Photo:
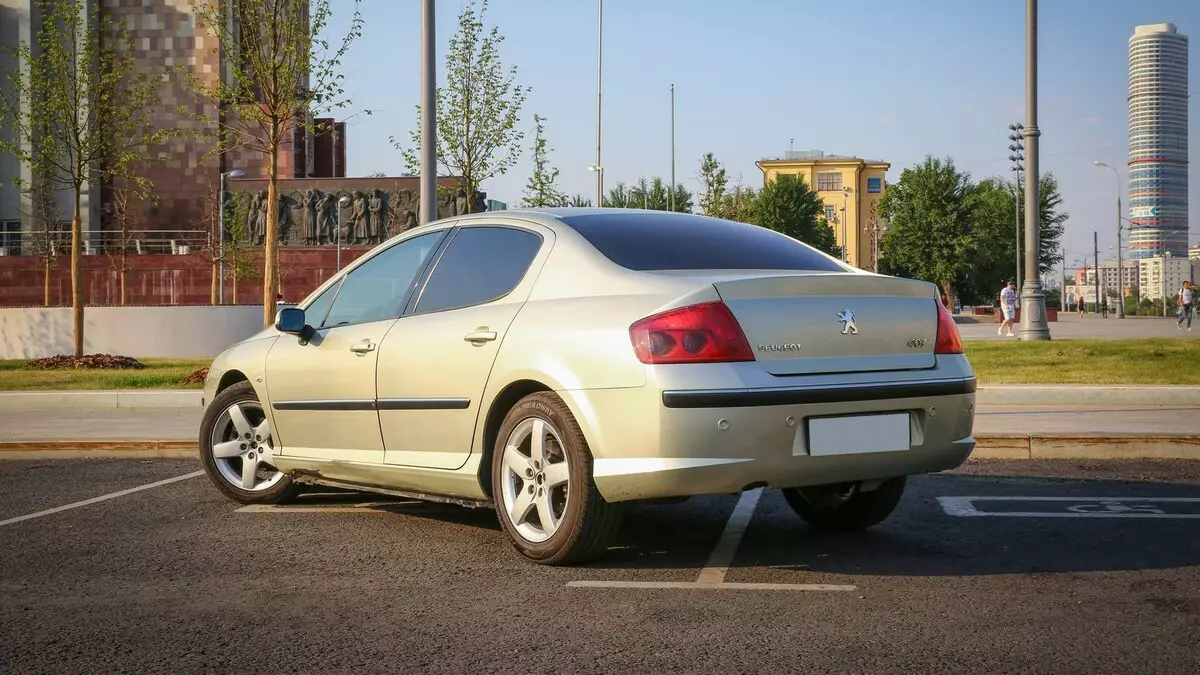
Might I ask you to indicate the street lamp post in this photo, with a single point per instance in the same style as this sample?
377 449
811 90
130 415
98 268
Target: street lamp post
1120 267
236 173
599 182
343 204
428 190
1017 147
672 199
1033 301
599 91
845 243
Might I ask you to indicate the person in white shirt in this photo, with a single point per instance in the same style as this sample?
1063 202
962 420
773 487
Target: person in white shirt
1008 306
1187 304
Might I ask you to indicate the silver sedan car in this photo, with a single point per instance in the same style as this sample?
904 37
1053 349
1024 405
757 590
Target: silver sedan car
557 363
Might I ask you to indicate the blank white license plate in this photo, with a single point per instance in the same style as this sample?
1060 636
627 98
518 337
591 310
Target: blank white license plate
858 434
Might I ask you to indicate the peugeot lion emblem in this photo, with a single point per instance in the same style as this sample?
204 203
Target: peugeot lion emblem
847 317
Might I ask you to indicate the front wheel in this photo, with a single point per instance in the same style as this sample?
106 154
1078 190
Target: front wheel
237 451
845 507
542 485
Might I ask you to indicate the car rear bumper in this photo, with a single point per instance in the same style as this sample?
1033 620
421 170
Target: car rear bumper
657 444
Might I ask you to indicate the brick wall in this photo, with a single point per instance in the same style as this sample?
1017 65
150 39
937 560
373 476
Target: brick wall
160 279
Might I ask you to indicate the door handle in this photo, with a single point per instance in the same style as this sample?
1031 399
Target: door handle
363 347
480 336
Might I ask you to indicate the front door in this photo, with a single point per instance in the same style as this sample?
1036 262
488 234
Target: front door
322 390
434 364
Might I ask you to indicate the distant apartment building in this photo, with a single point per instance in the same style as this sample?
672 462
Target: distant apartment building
850 189
1163 275
165 33
1158 141
1086 277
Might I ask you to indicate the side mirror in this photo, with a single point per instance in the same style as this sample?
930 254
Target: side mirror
291 320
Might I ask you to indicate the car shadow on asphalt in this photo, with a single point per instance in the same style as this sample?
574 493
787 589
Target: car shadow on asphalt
922 539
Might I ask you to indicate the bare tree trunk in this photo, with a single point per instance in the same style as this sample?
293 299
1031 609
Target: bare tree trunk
213 286
124 270
271 241
77 299
949 291
235 280
46 278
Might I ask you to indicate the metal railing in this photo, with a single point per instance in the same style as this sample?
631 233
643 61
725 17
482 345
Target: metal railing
101 242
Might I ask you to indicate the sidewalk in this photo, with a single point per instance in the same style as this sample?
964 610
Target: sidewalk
1002 432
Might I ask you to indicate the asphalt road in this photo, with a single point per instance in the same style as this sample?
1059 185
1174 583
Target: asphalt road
176 579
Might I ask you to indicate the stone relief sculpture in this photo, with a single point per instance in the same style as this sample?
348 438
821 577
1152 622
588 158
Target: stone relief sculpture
312 216
308 205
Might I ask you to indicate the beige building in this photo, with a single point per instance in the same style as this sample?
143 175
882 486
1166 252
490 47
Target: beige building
850 188
1163 275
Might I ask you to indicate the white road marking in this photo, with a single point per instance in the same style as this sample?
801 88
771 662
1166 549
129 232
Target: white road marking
718 563
692 585
95 500
1079 507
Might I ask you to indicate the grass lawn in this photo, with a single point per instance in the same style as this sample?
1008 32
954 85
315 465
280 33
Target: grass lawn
1086 361
158 374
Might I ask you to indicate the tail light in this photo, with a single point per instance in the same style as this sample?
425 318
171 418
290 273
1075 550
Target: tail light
703 333
948 339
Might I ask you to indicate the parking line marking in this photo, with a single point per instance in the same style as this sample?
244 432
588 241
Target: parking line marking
1081 507
102 498
692 585
718 563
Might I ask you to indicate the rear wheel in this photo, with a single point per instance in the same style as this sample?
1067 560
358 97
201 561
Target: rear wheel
237 451
845 506
542 485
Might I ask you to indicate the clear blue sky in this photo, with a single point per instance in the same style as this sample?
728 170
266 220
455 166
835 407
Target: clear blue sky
876 79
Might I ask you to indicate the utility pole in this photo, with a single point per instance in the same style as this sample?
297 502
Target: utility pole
429 212
671 201
1096 262
599 89
1017 147
1120 267
1033 300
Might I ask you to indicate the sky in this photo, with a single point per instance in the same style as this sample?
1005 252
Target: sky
875 79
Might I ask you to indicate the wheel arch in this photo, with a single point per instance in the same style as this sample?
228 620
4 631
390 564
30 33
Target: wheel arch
230 378
501 404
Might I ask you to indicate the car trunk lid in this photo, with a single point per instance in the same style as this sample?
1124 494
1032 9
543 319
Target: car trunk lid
801 324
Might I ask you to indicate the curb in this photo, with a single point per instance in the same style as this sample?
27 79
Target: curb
987 446
101 400
1085 395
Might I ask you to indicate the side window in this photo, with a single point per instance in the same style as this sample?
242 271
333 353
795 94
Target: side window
376 290
316 310
480 265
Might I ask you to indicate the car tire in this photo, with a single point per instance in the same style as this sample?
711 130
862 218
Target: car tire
220 436
582 523
845 507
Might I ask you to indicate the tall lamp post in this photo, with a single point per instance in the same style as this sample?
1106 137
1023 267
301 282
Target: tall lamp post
1120 268
599 182
428 190
1033 301
1017 148
672 199
845 226
236 173
599 81
343 204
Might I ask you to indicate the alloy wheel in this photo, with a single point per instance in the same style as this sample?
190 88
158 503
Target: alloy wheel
535 476
242 448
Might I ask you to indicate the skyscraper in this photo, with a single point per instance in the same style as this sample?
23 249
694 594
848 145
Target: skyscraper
1158 141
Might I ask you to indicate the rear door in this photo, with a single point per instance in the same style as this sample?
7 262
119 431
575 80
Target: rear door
806 324
435 362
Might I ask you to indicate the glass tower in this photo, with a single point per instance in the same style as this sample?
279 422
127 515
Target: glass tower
1158 142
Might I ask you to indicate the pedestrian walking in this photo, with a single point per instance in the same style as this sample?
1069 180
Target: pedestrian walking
1082 306
1008 308
1187 305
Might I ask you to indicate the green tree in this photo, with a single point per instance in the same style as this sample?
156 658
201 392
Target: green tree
541 190
579 201
655 194
91 114
479 109
713 184
994 237
930 222
284 73
788 206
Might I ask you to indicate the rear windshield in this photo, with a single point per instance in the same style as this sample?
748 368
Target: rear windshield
649 242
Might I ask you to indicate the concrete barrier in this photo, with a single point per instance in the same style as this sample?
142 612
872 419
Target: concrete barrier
141 332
